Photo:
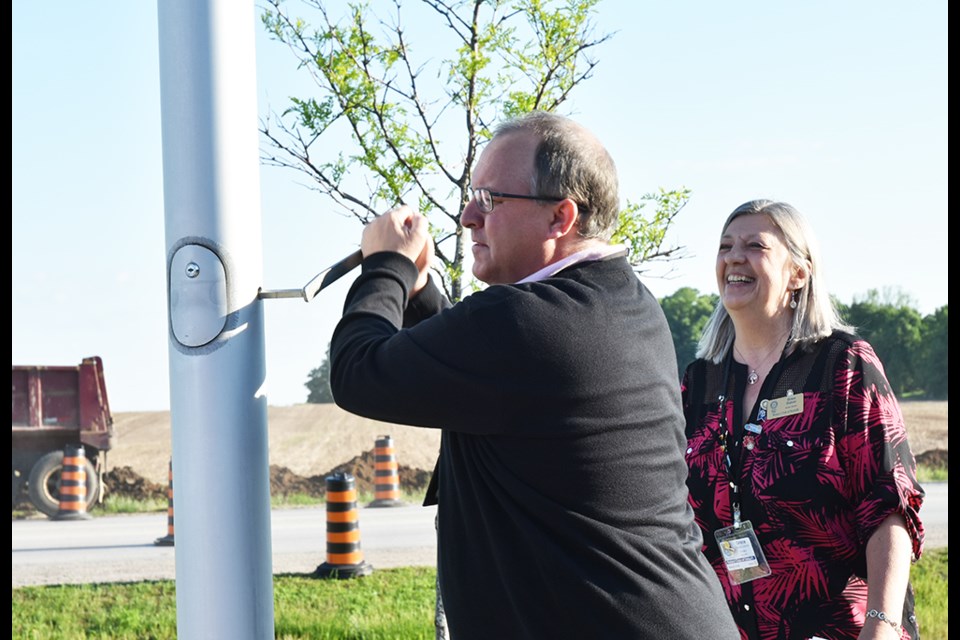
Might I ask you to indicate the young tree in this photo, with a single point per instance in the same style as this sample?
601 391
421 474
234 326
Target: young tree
417 116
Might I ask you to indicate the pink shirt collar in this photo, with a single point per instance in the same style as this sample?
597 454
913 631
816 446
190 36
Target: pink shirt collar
593 253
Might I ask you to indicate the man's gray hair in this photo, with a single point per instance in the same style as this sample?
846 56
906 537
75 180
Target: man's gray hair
570 162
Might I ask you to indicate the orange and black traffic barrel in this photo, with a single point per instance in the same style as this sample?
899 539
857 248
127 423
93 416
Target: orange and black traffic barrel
344 555
386 475
167 540
73 485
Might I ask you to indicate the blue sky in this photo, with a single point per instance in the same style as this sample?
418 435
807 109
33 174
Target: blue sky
838 108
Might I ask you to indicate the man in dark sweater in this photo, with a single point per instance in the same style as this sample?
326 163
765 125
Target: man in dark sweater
562 508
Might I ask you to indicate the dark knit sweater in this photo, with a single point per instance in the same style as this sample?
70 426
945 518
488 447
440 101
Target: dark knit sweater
563 509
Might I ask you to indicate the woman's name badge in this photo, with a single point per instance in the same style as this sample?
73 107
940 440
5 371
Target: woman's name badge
786 406
741 553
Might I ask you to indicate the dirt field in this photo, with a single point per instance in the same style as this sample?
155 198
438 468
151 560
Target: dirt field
926 425
307 439
308 442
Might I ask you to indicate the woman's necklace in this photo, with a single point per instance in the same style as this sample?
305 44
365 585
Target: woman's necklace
753 377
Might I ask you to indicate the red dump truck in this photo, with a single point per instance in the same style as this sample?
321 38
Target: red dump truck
55 406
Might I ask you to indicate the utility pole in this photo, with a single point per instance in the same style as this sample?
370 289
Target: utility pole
214 262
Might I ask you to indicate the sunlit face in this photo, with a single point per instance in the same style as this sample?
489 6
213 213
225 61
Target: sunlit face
508 242
755 272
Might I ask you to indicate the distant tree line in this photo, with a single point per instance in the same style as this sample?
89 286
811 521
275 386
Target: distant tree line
913 348
318 382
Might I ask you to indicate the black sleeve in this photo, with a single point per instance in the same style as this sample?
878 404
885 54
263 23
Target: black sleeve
428 302
381 370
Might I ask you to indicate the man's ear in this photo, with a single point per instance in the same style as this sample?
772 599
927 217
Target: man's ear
565 214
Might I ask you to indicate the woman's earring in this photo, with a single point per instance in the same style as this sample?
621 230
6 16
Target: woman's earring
793 298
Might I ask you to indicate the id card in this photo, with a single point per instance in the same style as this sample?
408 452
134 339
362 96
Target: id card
741 553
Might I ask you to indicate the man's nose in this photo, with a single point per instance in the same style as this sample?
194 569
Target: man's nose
471 217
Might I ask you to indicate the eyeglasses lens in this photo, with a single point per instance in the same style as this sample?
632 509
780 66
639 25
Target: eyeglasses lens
484 200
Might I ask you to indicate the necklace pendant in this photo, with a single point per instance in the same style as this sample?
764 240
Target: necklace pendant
753 377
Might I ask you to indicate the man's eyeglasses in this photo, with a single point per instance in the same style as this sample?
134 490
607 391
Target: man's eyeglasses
484 198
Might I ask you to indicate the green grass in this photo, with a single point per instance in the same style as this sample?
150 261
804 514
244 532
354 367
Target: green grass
931 474
363 498
929 577
120 504
116 505
389 604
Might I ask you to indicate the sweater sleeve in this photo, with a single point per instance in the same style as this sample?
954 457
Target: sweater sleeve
428 302
383 368
368 344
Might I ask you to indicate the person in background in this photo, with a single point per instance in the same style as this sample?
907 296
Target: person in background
801 476
562 509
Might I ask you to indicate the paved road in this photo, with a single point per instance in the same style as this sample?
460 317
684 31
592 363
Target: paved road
934 515
122 549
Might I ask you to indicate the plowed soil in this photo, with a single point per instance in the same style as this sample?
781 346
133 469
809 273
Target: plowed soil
308 442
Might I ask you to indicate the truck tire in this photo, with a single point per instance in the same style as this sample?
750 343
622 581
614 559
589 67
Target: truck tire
44 479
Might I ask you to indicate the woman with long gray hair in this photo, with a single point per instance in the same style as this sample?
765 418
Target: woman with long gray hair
800 474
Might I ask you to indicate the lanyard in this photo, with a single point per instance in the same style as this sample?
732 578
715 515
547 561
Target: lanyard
736 450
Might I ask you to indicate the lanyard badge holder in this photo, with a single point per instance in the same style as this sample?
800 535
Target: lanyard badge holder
739 547
741 552
738 544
